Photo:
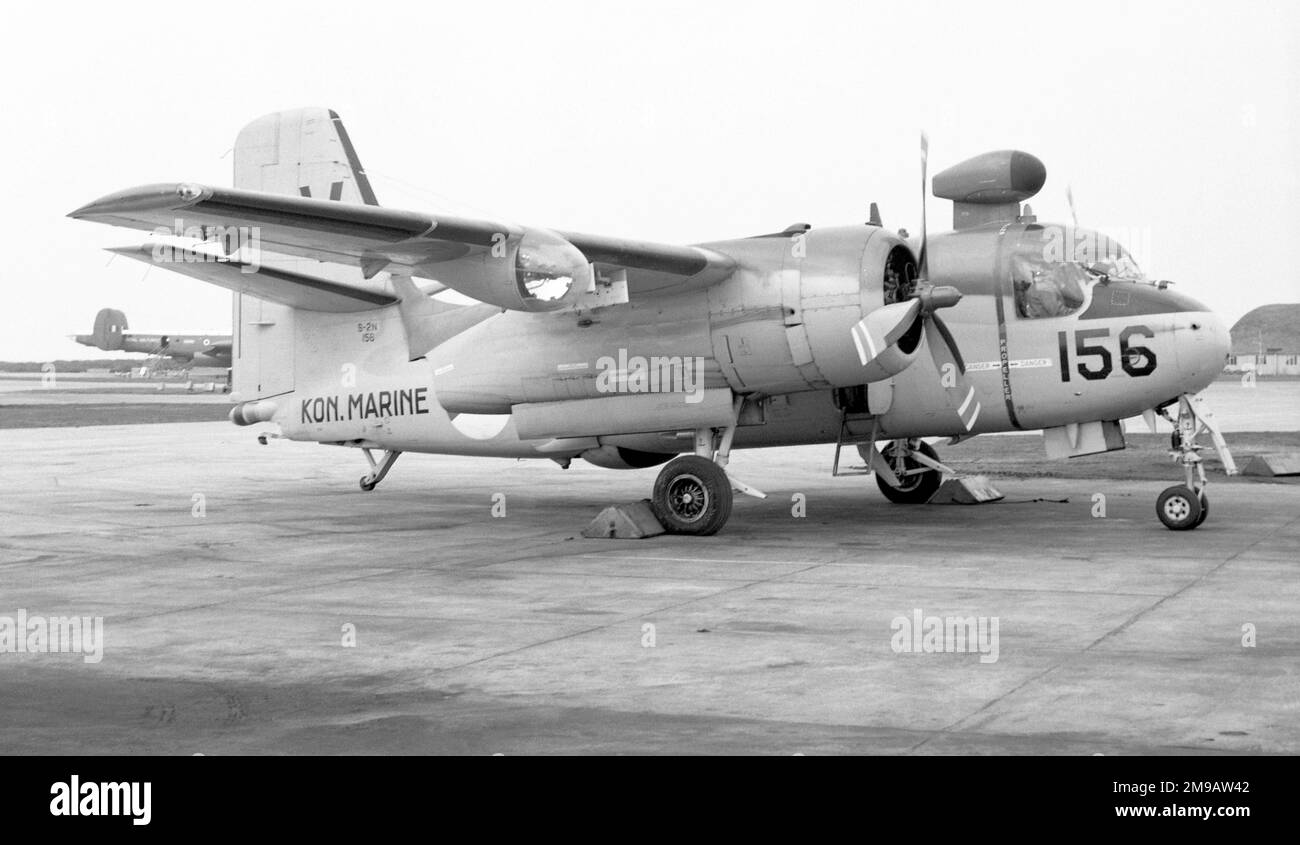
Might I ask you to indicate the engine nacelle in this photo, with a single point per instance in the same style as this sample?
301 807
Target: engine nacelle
846 276
619 457
522 270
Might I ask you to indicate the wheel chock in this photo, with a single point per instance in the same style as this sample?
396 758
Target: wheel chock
967 490
1273 465
634 521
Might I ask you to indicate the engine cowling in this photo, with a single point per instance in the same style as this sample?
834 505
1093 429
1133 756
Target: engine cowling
850 278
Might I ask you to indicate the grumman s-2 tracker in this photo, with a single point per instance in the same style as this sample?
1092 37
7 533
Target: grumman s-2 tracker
628 354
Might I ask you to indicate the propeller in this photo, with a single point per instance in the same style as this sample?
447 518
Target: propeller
887 339
1069 198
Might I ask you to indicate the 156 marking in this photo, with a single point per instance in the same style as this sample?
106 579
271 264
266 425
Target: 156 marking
1134 359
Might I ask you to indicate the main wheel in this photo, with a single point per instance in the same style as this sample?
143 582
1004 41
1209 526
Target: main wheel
1179 508
692 496
1205 508
367 484
913 489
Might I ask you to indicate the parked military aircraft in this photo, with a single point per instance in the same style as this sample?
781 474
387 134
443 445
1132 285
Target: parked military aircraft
628 354
110 333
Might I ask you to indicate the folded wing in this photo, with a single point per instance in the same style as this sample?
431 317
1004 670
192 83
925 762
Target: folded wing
297 290
455 251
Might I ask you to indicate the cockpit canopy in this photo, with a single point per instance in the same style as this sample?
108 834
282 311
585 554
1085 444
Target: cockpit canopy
1054 268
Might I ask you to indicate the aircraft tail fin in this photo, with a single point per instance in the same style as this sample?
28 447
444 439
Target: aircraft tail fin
110 326
303 153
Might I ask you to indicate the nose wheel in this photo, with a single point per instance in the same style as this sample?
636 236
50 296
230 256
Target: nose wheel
1181 508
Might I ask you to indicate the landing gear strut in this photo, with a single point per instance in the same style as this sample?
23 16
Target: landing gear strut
1185 506
378 469
908 471
693 493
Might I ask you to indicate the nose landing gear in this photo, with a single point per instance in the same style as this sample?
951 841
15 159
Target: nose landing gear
1185 506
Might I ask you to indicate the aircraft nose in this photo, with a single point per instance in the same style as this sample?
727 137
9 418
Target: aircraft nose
1221 338
1208 352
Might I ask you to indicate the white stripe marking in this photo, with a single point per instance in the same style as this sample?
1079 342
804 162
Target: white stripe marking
866 335
961 412
862 354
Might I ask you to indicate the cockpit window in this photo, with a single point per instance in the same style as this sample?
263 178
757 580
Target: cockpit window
1116 263
1053 269
1048 289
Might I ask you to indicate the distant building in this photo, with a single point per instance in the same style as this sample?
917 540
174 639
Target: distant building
1267 341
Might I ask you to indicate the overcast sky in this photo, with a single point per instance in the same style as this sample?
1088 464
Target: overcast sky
1178 123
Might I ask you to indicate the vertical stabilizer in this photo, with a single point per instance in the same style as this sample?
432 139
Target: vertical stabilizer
301 152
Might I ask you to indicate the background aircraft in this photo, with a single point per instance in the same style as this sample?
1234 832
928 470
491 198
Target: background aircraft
110 334
629 353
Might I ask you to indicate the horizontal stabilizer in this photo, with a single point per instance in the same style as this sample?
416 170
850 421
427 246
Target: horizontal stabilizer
284 287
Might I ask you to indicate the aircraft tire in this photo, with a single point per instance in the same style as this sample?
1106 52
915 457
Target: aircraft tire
1205 508
367 484
692 495
917 489
1179 508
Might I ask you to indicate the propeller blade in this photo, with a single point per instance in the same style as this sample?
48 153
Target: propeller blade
922 264
950 342
952 370
1069 198
879 332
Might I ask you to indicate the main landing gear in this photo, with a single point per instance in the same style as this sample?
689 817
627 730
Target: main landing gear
1185 506
693 493
907 470
916 472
